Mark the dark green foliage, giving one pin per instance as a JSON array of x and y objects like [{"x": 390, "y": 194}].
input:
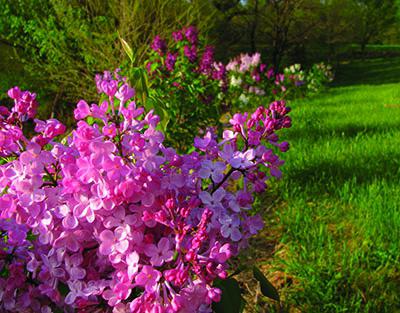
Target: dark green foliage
[
  {"x": 267, "y": 288},
  {"x": 62, "y": 44},
  {"x": 231, "y": 300},
  {"x": 304, "y": 31},
  {"x": 374, "y": 18}
]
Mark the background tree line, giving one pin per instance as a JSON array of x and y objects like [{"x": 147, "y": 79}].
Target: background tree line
[
  {"x": 61, "y": 44},
  {"x": 305, "y": 30}
]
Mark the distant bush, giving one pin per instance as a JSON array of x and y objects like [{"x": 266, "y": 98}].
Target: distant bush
[
  {"x": 253, "y": 83},
  {"x": 190, "y": 90},
  {"x": 186, "y": 84},
  {"x": 318, "y": 76}
]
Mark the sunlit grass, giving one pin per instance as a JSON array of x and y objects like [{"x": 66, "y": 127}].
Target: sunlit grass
[{"x": 341, "y": 220}]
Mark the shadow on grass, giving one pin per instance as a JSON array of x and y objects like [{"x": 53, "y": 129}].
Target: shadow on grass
[
  {"x": 368, "y": 72},
  {"x": 327, "y": 175},
  {"x": 348, "y": 131}
]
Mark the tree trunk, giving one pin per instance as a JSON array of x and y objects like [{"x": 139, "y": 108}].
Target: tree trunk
[
  {"x": 253, "y": 43},
  {"x": 362, "y": 49}
]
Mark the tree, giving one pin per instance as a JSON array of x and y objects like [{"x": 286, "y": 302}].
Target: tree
[
  {"x": 374, "y": 19},
  {"x": 230, "y": 33},
  {"x": 337, "y": 27}
]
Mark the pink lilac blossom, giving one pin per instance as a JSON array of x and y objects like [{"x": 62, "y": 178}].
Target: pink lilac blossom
[
  {"x": 117, "y": 221},
  {"x": 25, "y": 103},
  {"x": 254, "y": 80}
]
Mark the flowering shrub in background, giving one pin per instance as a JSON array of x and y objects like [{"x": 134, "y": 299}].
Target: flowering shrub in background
[
  {"x": 251, "y": 82},
  {"x": 185, "y": 84},
  {"x": 191, "y": 91},
  {"x": 295, "y": 81},
  {"x": 110, "y": 219},
  {"x": 318, "y": 76}
]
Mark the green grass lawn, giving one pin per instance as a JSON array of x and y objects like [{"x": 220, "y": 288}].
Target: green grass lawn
[
  {"x": 339, "y": 212},
  {"x": 377, "y": 48}
]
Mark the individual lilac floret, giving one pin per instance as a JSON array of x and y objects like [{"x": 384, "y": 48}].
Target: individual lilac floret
[
  {"x": 160, "y": 253},
  {"x": 230, "y": 227},
  {"x": 148, "y": 278},
  {"x": 215, "y": 170}
]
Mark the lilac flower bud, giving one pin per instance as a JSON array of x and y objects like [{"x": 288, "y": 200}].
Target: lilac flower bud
[
  {"x": 191, "y": 34},
  {"x": 177, "y": 36},
  {"x": 190, "y": 53},
  {"x": 159, "y": 45}
]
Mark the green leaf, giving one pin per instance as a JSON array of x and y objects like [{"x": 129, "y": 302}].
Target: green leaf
[
  {"x": 4, "y": 272},
  {"x": 31, "y": 237},
  {"x": 153, "y": 103},
  {"x": 4, "y": 191},
  {"x": 128, "y": 50},
  {"x": 90, "y": 120},
  {"x": 267, "y": 288},
  {"x": 139, "y": 79},
  {"x": 153, "y": 67},
  {"x": 63, "y": 288},
  {"x": 165, "y": 120},
  {"x": 144, "y": 85},
  {"x": 231, "y": 300},
  {"x": 191, "y": 149}
]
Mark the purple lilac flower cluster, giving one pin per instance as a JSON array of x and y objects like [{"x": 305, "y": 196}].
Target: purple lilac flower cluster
[
  {"x": 25, "y": 103},
  {"x": 20, "y": 290},
  {"x": 244, "y": 80},
  {"x": 119, "y": 221},
  {"x": 187, "y": 44},
  {"x": 25, "y": 107},
  {"x": 188, "y": 84}
]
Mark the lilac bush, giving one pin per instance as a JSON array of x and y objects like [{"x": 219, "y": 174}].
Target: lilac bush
[
  {"x": 190, "y": 90},
  {"x": 107, "y": 218},
  {"x": 318, "y": 76},
  {"x": 185, "y": 85},
  {"x": 251, "y": 82}
]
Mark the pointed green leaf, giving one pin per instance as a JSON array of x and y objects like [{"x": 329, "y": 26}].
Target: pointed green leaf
[
  {"x": 240, "y": 269},
  {"x": 267, "y": 288},
  {"x": 63, "y": 288},
  {"x": 165, "y": 120},
  {"x": 127, "y": 48},
  {"x": 231, "y": 300},
  {"x": 144, "y": 85}
]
